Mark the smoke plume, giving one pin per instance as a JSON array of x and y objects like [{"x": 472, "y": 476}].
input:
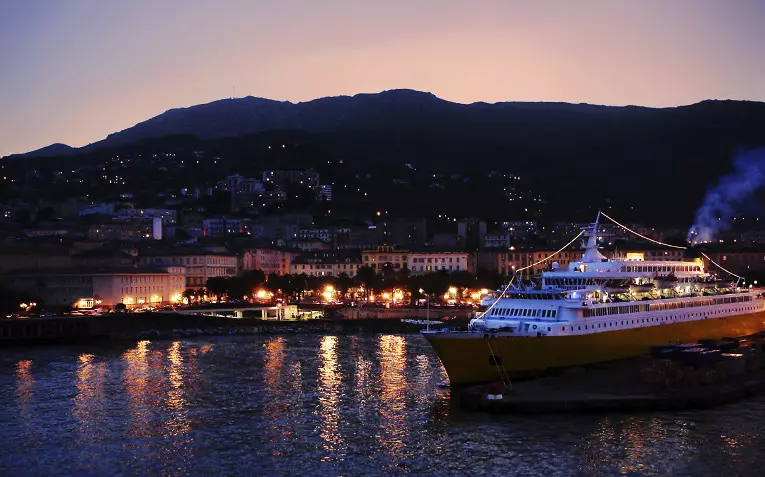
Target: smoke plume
[{"x": 728, "y": 197}]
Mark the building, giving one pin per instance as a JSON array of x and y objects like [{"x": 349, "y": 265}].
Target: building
[
  {"x": 504, "y": 261},
  {"x": 325, "y": 234},
  {"x": 428, "y": 261},
  {"x": 325, "y": 191},
  {"x": 149, "y": 228},
  {"x": 280, "y": 179},
  {"x": 267, "y": 260},
  {"x": 168, "y": 216},
  {"x": 284, "y": 226},
  {"x": 28, "y": 256},
  {"x": 85, "y": 288},
  {"x": 643, "y": 252},
  {"x": 237, "y": 184},
  {"x": 742, "y": 261},
  {"x": 359, "y": 238},
  {"x": 497, "y": 240},
  {"x": 521, "y": 230},
  {"x": 471, "y": 232},
  {"x": 325, "y": 265},
  {"x": 102, "y": 257},
  {"x": 222, "y": 227},
  {"x": 404, "y": 231},
  {"x": 200, "y": 265},
  {"x": 384, "y": 256}
]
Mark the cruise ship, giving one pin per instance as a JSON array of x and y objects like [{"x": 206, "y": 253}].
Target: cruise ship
[{"x": 596, "y": 310}]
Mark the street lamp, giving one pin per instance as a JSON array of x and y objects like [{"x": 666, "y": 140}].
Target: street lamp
[{"x": 427, "y": 310}]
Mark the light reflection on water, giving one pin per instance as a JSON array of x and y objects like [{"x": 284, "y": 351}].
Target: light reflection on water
[{"x": 322, "y": 405}]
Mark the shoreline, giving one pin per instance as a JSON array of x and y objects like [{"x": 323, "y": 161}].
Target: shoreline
[{"x": 136, "y": 326}]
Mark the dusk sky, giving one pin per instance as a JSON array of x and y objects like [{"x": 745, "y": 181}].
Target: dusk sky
[{"x": 73, "y": 71}]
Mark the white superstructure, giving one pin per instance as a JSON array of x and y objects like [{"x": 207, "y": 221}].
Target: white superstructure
[{"x": 597, "y": 295}]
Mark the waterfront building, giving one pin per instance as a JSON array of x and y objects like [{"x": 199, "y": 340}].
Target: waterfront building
[
  {"x": 326, "y": 265},
  {"x": 200, "y": 265},
  {"x": 268, "y": 260},
  {"x": 86, "y": 287},
  {"x": 428, "y": 261},
  {"x": 384, "y": 255},
  {"x": 504, "y": 261}
]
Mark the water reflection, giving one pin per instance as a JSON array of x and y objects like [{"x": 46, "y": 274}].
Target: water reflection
[
  {"x": 177, "y": 422},
  {"x": 89, "y": 400},
  {"x": 282, "y": 389},
  {"x": 329, "y": 399},
  {"x": 323, "y": 405},
  {"x": 24, "y": 382},
  {"x": 144, "y": 391},
  {"x": 393, "y": 387}
]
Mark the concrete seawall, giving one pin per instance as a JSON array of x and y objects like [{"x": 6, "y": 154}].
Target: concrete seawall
[{"x": 141, "y": 325}]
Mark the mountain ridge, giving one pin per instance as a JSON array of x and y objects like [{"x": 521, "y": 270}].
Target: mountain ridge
[{"x": 389, "y": 109}]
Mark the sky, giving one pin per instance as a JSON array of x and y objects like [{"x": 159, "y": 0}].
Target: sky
[{"x": 73, "y": 71}]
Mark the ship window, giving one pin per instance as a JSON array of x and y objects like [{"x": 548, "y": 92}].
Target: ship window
[{"x": 549, "y": 329}]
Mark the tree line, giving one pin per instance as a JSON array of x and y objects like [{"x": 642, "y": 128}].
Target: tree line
[{"x": 294, "y": 287}]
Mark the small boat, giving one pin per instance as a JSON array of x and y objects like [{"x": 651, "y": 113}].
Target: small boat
[{"x": 420, "y": 322}]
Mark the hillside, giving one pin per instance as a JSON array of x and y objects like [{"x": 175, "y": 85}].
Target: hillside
[{"x": 580, "y": 156}]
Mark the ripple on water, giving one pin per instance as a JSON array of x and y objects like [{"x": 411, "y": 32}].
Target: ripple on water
[{"x": 322, "y": 405}]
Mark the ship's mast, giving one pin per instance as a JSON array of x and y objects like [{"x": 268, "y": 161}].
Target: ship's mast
[{"x": 591, "y": 253}]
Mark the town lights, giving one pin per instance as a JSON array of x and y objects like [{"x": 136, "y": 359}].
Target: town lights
[
  {"x": 176, "y": 298},
  {"x": 329, "y": 293},
  {"x": 261, "y": 294}
]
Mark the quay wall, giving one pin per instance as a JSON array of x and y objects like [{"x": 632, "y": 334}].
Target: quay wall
[{"x": 147, "y": 325}]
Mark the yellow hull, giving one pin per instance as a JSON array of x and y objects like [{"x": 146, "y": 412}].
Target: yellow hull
[{"x": 466, "y": 356}]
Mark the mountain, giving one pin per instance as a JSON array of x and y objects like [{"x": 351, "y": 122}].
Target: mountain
[
  {"x": 660, "y": 160},
  {"x": 410, "y": 113},
  {"x": 56, "y": 149}
]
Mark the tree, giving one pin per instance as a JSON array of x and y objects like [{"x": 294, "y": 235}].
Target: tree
[
  {"x": 217, "y": 286},
  {"x": 299, "y": 284},
  {"x": 188, "y": 294},
  {"x": 201, "y": 294},
  {"x": 368, "y": 277},
  {"x": 344, "y": 283}
]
